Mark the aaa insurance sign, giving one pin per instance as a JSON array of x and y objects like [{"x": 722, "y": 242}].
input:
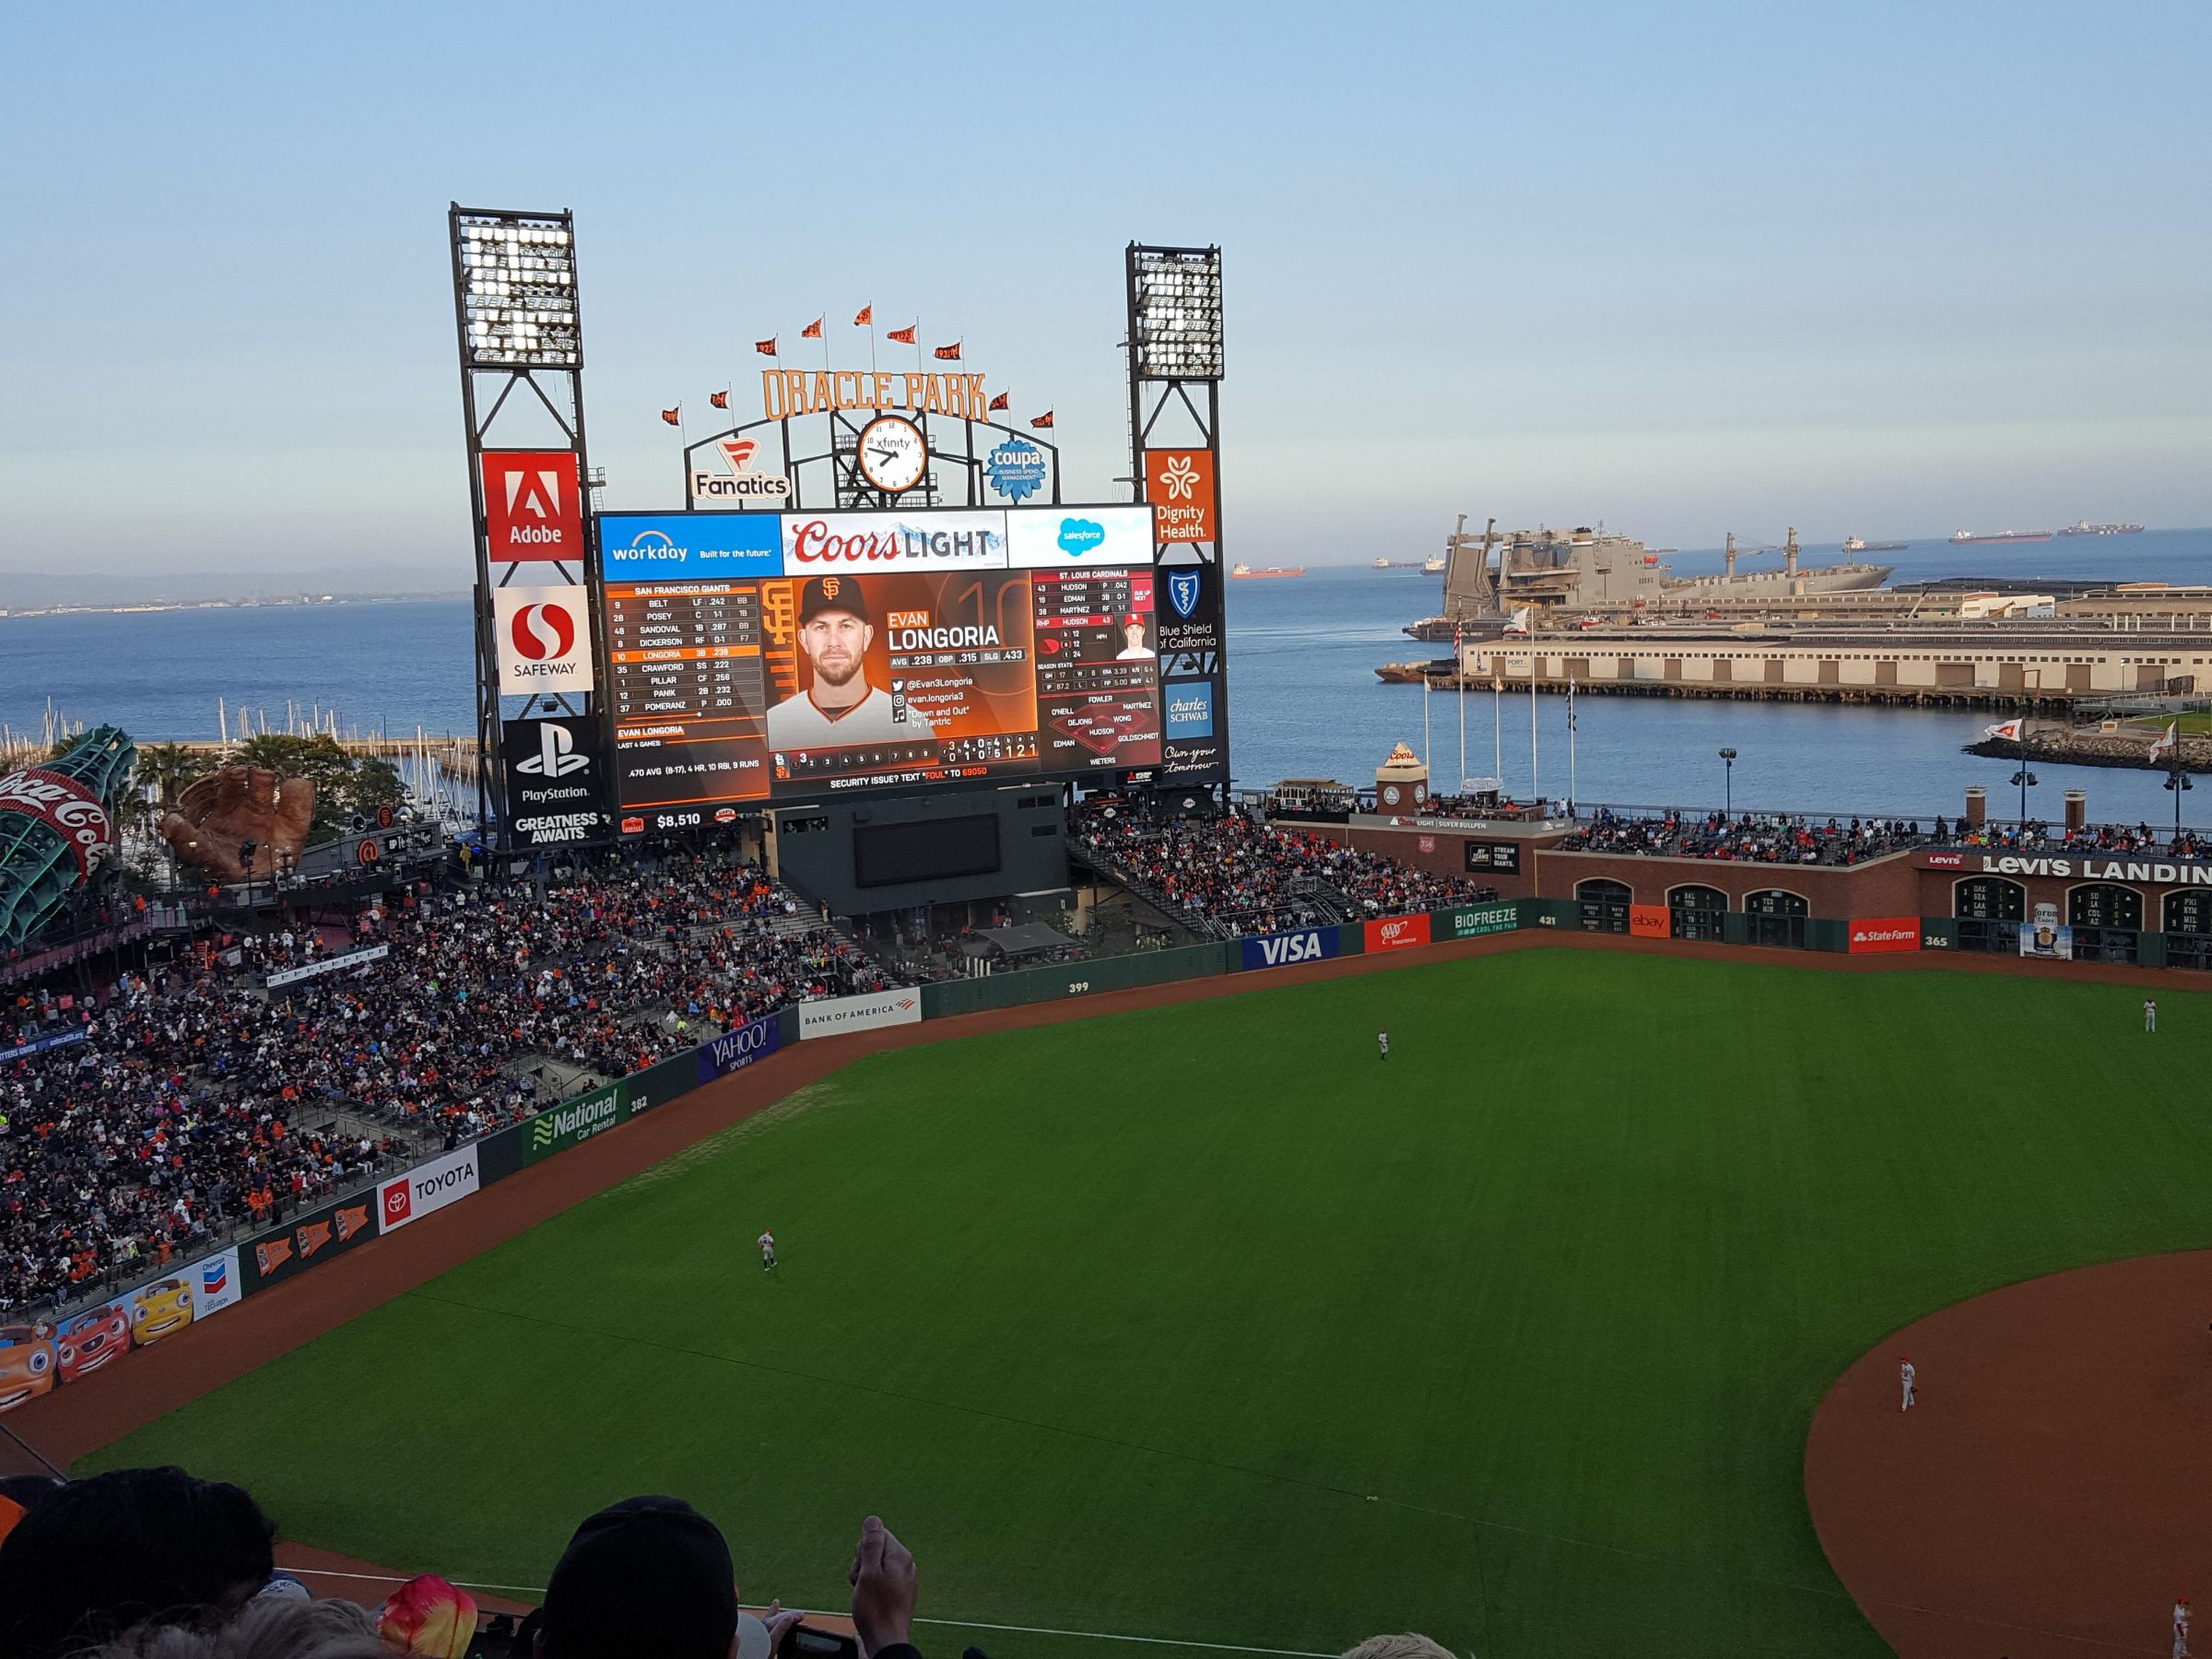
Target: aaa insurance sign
[
  {"x": 544, "y": 635},
  {"x": 531, "y": 506}
]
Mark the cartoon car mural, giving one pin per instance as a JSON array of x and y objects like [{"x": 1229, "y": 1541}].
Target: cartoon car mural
[
  {"x": 25, "y": 1364},
  {"x": 88, "y": 1341},
  {"x": 162, "y": 1309}
]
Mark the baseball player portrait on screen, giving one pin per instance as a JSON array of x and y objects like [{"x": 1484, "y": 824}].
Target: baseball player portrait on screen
[{"x": 839, "y": 707}]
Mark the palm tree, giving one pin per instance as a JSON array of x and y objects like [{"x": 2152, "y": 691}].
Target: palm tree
[{"x": 167, "y": 767}]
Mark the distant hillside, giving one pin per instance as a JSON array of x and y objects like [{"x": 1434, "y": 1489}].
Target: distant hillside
[{"x": 34, "y": 590}]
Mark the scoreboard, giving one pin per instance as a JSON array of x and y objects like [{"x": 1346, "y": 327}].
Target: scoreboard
[{"x": 875, "y": 651}]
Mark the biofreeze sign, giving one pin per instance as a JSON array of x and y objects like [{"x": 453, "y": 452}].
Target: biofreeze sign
[
  {"x": 2099, "y": 869},
  {"x": 1280, "y": 950}
]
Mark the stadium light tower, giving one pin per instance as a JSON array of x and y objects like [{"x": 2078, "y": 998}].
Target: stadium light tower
[
  {"x": 1728, "y": 782},
  {"x": 1175, "y": 364},
  {"x": 519, "y": 330}
]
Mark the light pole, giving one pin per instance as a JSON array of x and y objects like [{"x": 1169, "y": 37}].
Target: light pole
[
  {"x": 1728, "y": 782},
  {"x": 2180, "y": 783}
]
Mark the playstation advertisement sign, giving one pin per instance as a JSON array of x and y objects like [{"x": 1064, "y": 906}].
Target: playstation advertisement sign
[{"x": 555, "y": 775}]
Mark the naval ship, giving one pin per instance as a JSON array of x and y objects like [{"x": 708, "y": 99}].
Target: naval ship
[{"x": 1591, "y": 570}]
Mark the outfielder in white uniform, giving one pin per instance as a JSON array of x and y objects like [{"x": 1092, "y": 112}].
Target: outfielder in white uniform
[
  {"x": 1905, "y": 1373},
  {"x": 2150, "y": 1014},
  {"x": 2181, "y": 1626},
  {"x": 1381, "y": 1045},
  {"x": 766, "y": 1241}
]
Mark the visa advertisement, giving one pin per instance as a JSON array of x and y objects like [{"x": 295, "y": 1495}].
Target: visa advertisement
[{"x": 1288, "y": 949}]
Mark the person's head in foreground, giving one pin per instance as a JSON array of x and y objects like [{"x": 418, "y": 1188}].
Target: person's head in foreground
[
  {"x": 131, "y": 1546},
  {"x": 647, "y": 1575},
  {"x": 269, "y": 1628},
  {"x": 1408, "y": 1646}
]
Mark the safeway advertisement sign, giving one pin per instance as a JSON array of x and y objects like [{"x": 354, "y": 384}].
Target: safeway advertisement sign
[
  {"x": 1885, "y": 933},
  {"x": 544, "y": 638},
  {"x": 426, "y": 1190},
  {"x": 532, "y": 509},
  {"x": 1396, "y": 933},
  {"x": 873, "y": 1012}
]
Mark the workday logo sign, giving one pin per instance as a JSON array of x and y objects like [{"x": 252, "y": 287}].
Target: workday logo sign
[
  {"x": 688, "y": 547},
  {"x": 1283, "y": 951}
]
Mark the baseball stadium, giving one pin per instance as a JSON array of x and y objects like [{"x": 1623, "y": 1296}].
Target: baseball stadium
[{"x": 852, "y": 1060}]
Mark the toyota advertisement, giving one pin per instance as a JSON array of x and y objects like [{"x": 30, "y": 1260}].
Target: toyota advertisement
[{"x": 772, "y": 658}]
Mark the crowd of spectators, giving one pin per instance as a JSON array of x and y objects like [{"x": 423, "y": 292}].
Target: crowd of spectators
[
  {"x": 198, "y": 1101},
  {"x": 156, "y": 1564},
  {"x": 1779, "y": 838},
  {"x": 1246, "y": 876}
]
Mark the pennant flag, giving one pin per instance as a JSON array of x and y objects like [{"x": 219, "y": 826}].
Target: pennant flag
[
  {"x": 672, "y": 416},
  {"x": 813, "y": 331},
  {"x": 949, "y": 354},
  {"x": 1044, "y": 419},
  {"x": 866, "y": 316},
  {"x": 766, "y": 348},
  {"x": 1518, "y": 622},
  {"x": 720, "y": 399},
  {"x": 2008, "y": 732},
  {"x": 905, "y": 336},
  {"x": 1004, "y": 400},
  {"x": 2164, "y": 746}
]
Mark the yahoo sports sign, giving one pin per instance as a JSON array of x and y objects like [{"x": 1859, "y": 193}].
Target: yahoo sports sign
[{"x": 734, "y": 1050}]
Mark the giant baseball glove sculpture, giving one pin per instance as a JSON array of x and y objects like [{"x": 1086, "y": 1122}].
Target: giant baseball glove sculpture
[{"x": 219, "y": 816}]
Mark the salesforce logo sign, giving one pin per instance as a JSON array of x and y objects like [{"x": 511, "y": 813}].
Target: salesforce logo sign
[
  {"x": 1078, "y": 536},
  {"x": 690, "y": 547}
]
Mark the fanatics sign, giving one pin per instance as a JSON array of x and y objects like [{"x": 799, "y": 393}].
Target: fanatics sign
[{"x": 532, "y": 507}]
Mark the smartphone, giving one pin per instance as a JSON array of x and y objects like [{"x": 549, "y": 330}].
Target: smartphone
[{"x": 803, "y": 1642}]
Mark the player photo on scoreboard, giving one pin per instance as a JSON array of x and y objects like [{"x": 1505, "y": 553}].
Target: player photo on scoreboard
[{"x": 899, "y": 672}]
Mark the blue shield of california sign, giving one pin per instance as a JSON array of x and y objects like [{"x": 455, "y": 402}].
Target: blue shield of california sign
[
  {"x": 1182, "y": 591},
  {"x": 1016, "y": 469}
]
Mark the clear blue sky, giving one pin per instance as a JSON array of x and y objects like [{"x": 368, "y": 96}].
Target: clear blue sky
[{"x": 1872, "y": 269}]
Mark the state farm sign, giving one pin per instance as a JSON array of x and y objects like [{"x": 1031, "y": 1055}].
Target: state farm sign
[
  {"x": 1884, "y": 933},
  {"x": 532, "y": 507}
]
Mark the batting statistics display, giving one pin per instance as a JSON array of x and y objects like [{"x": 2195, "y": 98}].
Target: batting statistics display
[{"x": 888, "y": 650}]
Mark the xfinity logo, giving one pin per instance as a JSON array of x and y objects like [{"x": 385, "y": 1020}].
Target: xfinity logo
[{"x": 556, "y": 756}]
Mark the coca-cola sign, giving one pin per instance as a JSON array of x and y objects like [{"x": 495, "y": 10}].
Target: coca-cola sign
[
  {"x": 918, "y": 541},
  {"x": 64, "y": 805}
]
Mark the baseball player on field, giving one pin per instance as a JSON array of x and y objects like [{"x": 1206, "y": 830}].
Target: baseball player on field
[
  {"x": 1905, "y": 1373},
  {"x": 2150, "y": 1014},
  {"x": 2181, "y": 1626},
  {"x": 766, "y": 1241},
  {"x": 1381, "y": 1045}
]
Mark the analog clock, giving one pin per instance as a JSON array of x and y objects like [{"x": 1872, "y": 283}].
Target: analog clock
[
  {"x": 893, "y": 453},
  {"x": 1390, "y": 794}
]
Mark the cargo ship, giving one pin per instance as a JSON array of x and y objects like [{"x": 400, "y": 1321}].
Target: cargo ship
[
  {"x": 2083, "y": 527},
  {"x": 1967, "y": 538},
  {"x": 1246, "y": 574},
  {"x": 1853, "y": 544}
]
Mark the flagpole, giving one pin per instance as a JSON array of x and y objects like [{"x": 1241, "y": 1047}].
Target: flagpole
[
  {"x": 1571, "y": 746},
  {"x": 1424, "y": 720},
  {"x": 1536, "y": 790},
  {"x": 1459, "y": 684},
  {"x": 1498, "y": 721}
]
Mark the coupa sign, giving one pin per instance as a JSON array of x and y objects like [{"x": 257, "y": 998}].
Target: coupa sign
[
  {"x": 1281, "y": 950},
  {"x": 733, "y": 1050}
]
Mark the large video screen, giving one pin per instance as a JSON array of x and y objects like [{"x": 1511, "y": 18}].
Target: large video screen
[{"x": 773, "y": 658}]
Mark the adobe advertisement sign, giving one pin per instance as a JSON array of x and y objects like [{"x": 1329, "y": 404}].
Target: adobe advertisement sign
[
  {"x": 1878, "y": 934},
  {"x": 556, "y": 774},
  {"x": 544, "y": 639},
  {"x": 531, "y": 506},
  {"x": 1180, "y": 485}
]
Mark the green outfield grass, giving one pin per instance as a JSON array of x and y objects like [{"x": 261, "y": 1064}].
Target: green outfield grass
[{"x": 1204, "y": 1324}]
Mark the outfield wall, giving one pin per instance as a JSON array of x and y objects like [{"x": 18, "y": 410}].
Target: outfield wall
[{"x": 37, "y": 1358}]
